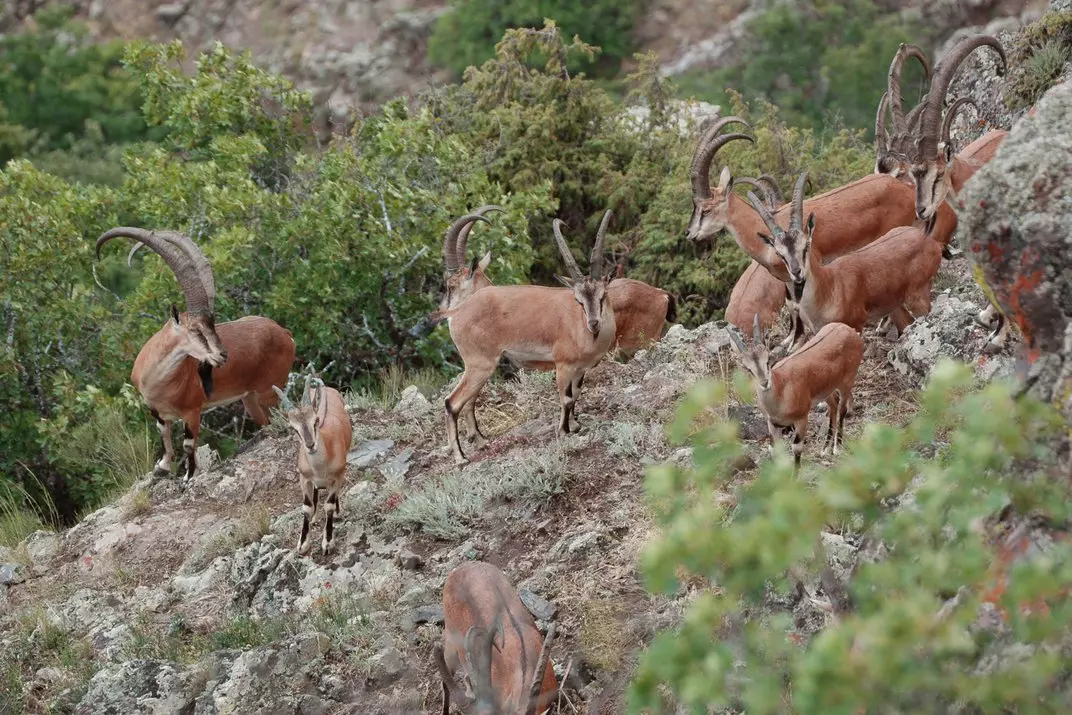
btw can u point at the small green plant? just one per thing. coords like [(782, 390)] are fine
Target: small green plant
[(1037, 57), (902, 634), (21, 514), (245, 633)]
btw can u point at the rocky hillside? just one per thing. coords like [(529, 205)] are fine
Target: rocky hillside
[(359, 54), (194, 602)]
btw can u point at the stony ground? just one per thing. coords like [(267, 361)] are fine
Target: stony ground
[(194, 602)]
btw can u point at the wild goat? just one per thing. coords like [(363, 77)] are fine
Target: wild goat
[(192, 363), (324, 433), (535, 325), (891, 276), (641, 310), (848, 217), (491, 636), (757, 292), (824, 368)]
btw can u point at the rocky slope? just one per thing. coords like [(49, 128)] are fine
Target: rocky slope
[(194, 602), (361, 53)]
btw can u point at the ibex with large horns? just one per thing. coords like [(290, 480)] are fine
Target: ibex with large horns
[(493, 639), (890, 149), (847, 218), (324, 433), (570, 330), (640, 310), (192, 363)]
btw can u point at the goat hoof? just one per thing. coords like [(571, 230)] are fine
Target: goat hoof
[(461, 461)]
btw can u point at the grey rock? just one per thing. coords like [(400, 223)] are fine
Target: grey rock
[(752, 421), (138, 686), (424, 614), (43, 546), (540, 608), (1016, 213), (397, 467), (409, 560), (412, 403), (171, 12), (11, 574), (366, 453), (389, 660)]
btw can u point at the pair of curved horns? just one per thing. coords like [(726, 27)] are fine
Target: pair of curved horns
[(767, 186), (930, 123), (182, 256), (757, 335), (456, 239), (796, 210), (595, 258), (709, 144), (312, 378), (892, 103)]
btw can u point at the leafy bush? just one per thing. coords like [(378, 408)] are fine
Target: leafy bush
[(55, 77), (909, 627), (467, 35), (817, 60), (1037, 57)]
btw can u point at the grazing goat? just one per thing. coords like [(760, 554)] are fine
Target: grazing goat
[(824, 368), (491, 636), (891, 276), (324, 433), (569, 329), (192, 363), (757, 292), (641, 310)]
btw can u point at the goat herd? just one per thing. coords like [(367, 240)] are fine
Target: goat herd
[(883, 237)]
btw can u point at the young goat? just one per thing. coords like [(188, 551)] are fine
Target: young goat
[(823, 369), (324, 434), (891, 276), (570, 330), (493, 638)]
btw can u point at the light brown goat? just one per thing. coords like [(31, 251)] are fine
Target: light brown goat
[(491, 636), (824, 368), (324, 434)]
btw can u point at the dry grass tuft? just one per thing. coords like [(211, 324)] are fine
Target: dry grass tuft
[(604, 637)]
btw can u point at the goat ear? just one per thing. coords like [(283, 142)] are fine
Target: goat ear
[(473, 265), (484, 262), (568, 282), (810, 225), (725, 180), (175, 314)]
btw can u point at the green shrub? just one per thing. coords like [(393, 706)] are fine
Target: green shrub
[(1037, 57), (905, 635), (818, 61), (467, 35)]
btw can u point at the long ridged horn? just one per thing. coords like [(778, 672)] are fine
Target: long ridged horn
[(796, 215), (462, 241), (200, 263), (930, 121), (759, 186), (709, 144), (595, 259), (757, 336), (537, 675), (772, 185), (893, 81), (571, 264), (882, 138), (287, 404), (951, 114), (451, 255), (764, 214), (456, 693), (177, 258)]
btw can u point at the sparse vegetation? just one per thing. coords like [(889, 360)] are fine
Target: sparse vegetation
[(1037, 58)]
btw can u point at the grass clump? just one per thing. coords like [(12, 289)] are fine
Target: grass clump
[(1037, 58), (254, 522), (604, 637), (22, 515)]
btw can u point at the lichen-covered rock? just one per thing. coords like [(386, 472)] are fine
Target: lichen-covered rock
[(948, 331), (1016, 214), (412, 403), (138, 686)]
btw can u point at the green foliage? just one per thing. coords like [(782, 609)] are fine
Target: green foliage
[(55, 78), (1037, 57), (467, 35), (818, 60), (704, 276), (930, 493)]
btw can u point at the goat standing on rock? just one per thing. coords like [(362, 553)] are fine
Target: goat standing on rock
[(324, 435), (192, 363)]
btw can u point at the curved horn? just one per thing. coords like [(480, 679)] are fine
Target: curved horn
[(537, 675), (757, 337), (451, 256), (893, 80), (764, 214), (178, 258), (305, 390), (571, 265), (772, 185), (200, 263), (709, 144), (457, 693), (881, 136), (595, 259), (930, 120), (462, 241), (287, 404), (796, 212), (951, 114), (758, 186)]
